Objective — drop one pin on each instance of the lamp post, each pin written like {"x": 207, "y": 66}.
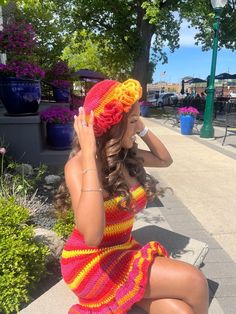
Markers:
{"x": 207, "y": 130}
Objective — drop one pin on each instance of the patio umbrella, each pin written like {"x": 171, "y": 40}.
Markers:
{"x": 88, "y": 75}
{"x": 196, "y": 80}
{"x": 223, "y": 76}
{"x": 233, "y": 76}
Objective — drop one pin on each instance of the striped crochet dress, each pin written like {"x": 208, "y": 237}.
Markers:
{"x": 112, "y": 277}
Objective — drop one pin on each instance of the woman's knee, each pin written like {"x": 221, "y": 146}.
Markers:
{"x": 161, "y": 306}
{"x": 175, "y": 279}
{"x": 179, "y": 307}
{"x": 198, "y": 282}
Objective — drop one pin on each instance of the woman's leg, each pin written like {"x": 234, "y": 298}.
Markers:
{"x": 165, "y": 306}
{"x": 171, "y": 279}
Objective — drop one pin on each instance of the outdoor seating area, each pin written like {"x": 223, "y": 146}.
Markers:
{"x": 230, "y": 120}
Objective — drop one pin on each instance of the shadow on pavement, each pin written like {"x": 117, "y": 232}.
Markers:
{"x": 174, "y": 243}
{"x": 213, "y": 286}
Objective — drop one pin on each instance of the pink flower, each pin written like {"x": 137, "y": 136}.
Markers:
{"x": 188, "y": 111}
{"x": 3, "y": 150}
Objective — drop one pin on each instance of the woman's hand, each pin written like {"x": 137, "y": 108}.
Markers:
{"x": 140, "y": 125}
{"x": 158, "y": 156}
{"x": 85, "y": 133}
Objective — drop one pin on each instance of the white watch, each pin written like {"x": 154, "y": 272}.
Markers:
{"x": 143, "y": 132}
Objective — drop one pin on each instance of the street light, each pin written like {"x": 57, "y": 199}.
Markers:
{"x": 207, "y": 130}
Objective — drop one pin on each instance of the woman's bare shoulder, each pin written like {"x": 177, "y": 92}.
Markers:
{"x": 73, "y": 164}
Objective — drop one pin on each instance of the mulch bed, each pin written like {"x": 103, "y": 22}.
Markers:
{"x": 53, "y": 273}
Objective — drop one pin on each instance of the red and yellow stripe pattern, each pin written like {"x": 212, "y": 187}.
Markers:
{"x": 112, "y": 277}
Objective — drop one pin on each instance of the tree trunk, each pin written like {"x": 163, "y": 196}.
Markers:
{"x": 140, "y": 71}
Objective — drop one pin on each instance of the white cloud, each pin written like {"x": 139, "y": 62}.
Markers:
{"x": 187, "y": 35}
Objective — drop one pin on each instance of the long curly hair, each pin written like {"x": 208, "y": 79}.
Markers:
{"x": 114, "y": 158}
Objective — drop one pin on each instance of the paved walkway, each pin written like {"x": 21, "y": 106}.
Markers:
{"x": 204, "y": 204}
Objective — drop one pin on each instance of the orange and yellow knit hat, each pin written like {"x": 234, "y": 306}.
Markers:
{"x": 109, "y": 100}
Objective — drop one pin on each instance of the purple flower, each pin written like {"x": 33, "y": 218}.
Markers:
{"x": 60, "y": 69}
{"x": 58, "y": 115}
{"x": 62, "y": 84}
{"x": 188, "y": 111}
{"x": 21, "y": 69}
{"x": 145, "y": 103}
{"x": 18, "y": 37}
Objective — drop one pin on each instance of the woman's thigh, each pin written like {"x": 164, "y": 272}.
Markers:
{"x": 165, "y": 306}
{"x": 174, "y": 279}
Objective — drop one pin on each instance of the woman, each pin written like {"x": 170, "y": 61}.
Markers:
{"x": 101, "y": 262}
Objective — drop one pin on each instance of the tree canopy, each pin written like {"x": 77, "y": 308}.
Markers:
{"x": 116, "y": 37}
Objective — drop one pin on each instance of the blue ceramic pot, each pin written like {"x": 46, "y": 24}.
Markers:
{"x": 186, "y": 124}
{"x": 59, "y": 136}
{"x": 20, "y": 96}
{"x": 61, "y": 95}
{"x": 145, "y": 111}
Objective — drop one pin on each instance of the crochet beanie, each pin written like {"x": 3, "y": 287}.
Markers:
{"x": 109, "y": 100}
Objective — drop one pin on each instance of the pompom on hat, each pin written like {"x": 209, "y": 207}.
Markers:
{"x": 109, "y": 100}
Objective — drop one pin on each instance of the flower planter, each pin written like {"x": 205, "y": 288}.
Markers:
{"x": 61, "y": 95}
{"x": 186, "y": 124}
{"x": 59, "y": 136}
{"x": 145, "y": 111}
{"x": 20, "y": 96}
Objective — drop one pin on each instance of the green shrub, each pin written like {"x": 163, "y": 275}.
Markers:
{"x": 22, "y": 261}
{"x": 65, "y": 224}
{"x": 13, "y": 180}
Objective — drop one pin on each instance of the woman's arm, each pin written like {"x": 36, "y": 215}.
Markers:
{"x": 158, "y": 156}
{"x": 85, "y": 189}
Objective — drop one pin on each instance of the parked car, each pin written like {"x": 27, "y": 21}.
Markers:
{"x": 152, "y": 97}
{"x": 167, "y": 99}
{"x": 233, "y": 94}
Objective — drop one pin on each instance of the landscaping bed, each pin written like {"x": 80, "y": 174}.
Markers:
{"x": 29, "y": 248}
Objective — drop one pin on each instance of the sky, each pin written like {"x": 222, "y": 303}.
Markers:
{"x": 190, "y": 60}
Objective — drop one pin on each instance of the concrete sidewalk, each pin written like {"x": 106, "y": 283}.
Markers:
{"x": 203, "y": 179}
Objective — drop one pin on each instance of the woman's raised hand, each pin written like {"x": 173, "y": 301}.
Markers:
{"x": 140, "y": 125}
{"x": 85, "y": 133}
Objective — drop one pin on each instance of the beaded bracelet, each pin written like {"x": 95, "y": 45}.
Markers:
{"x": 143, "y": 132}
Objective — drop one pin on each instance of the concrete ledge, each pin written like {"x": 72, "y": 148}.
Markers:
{"x": 25, "y": 137}
{"x": 179, "y": 246}
{"x": 150, "y": 225}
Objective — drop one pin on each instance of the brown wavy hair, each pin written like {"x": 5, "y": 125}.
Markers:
{"x": 113, "y": 159}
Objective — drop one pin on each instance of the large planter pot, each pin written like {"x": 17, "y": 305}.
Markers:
{"x": 186, "y": 124}
{"x": 59, "y": 136}
{"x": 20, "y": 96}
{"x": 61, "y": 95}
{"x": 145, "y": 111}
